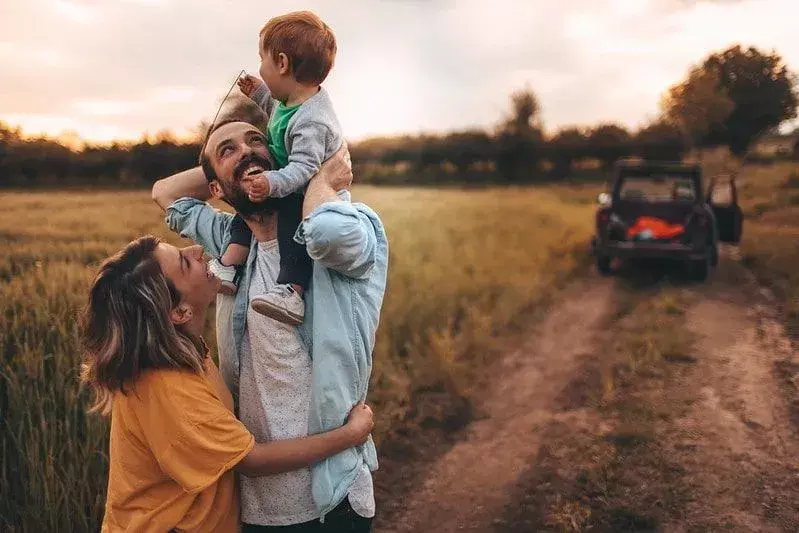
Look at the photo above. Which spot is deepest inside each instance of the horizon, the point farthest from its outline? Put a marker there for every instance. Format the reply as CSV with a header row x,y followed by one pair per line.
x,y
428,63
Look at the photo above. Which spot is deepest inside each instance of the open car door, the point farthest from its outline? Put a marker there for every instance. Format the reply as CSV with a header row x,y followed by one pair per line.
x,y
722,197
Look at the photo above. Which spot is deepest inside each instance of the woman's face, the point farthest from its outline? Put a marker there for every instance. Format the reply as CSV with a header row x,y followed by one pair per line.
x,y
188,270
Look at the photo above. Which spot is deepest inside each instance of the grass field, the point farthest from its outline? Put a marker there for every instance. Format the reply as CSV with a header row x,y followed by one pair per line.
x,y
770,200
465,267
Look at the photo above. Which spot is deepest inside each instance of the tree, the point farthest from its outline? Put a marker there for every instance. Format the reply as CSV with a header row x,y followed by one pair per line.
x,y
608,143
567,146
660,141
519,139
733,97
525,113
697,105
464,148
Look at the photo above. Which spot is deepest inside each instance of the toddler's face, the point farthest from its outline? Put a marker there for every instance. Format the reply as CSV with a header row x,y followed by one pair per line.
x,y
270,73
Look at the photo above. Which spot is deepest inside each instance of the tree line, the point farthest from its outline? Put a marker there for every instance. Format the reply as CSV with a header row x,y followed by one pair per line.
x,y
729,99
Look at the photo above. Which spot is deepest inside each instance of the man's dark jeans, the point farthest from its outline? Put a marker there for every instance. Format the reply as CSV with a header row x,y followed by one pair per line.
x,y
341,519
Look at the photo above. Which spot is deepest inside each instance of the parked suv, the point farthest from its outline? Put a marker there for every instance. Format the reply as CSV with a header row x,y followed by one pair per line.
x,y
659,210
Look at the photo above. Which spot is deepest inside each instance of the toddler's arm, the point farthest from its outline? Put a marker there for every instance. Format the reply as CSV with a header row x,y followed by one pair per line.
x,y
257,91
305,160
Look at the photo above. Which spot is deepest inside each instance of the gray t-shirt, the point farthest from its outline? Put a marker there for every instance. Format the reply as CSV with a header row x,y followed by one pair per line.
x,y
274,403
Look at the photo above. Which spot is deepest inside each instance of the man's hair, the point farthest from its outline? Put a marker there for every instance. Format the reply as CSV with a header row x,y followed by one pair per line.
x,y
126,326
205,161
236,108
307,41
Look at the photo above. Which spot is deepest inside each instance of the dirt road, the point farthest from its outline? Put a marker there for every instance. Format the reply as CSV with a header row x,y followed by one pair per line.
x,y
737,443
545,455
470,485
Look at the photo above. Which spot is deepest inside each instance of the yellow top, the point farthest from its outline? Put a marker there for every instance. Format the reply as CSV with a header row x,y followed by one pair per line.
x,y
174,442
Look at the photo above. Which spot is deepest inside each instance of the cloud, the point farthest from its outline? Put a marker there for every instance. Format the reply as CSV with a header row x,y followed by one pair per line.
x,y
75,11
146,65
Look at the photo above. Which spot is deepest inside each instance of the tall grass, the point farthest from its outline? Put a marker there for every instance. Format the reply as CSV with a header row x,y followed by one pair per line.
x,y
770,200
465,267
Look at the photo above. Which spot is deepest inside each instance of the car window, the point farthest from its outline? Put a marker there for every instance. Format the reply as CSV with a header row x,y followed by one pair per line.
x,y
658,189
721,194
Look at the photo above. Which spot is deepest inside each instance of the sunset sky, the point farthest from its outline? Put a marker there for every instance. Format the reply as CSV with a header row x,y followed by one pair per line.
x,y
118,68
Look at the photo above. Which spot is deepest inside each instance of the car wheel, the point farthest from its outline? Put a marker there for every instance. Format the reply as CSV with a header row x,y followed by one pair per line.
x,y
714,255
603,265
700,269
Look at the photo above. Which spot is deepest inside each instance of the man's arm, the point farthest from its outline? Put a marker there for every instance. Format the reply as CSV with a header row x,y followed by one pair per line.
x,y
191,183
182,196
334,175
336,234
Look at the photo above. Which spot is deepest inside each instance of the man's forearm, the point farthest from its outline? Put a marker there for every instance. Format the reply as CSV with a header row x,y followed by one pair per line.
x,y
190,183
317,193
335,174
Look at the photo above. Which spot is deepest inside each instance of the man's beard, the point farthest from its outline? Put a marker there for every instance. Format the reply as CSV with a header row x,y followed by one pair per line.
x,y
237,197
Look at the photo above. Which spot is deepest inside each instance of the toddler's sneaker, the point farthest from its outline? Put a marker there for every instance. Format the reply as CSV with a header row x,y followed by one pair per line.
x,y
281,303
226,275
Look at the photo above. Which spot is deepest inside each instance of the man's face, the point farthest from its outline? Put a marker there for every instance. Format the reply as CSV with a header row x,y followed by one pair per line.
x,y
238,151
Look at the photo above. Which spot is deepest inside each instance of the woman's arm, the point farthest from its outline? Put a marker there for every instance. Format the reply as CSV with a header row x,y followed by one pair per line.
x,y
287,455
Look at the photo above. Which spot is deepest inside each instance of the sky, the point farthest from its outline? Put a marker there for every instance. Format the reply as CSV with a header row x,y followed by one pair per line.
x,y
115,69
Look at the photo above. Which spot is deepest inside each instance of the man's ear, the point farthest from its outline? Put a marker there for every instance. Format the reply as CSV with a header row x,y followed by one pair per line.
x,y
283,64
216,190
181,314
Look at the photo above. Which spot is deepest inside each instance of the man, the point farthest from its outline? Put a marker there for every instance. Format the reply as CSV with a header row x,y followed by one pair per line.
x,y
282,392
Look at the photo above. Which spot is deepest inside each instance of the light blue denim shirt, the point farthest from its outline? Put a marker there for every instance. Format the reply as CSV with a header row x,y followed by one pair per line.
x,y
348,244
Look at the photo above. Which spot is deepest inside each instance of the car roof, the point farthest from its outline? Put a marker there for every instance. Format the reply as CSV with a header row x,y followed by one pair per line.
x,y
635,167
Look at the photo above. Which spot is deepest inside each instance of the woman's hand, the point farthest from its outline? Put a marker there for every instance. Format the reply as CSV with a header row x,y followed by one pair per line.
x,y
360,422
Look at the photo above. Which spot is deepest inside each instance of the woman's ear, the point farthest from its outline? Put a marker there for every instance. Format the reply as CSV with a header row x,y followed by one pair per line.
x,y
181,314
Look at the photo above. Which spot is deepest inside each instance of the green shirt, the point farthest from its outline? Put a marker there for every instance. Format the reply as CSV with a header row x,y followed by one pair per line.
x,y
277,132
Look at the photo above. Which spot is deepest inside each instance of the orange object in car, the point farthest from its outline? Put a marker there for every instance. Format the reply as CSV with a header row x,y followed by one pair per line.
x,y
659,229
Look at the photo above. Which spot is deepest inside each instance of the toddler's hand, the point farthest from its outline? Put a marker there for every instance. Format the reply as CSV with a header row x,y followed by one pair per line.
x,y
257,188
249,83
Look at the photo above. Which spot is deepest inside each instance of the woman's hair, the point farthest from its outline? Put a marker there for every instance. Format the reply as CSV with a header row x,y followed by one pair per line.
x,y
126,327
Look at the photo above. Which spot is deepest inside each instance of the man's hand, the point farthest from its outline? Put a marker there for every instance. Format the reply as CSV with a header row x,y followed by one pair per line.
x,y
334,175
337,171
249,83
257,188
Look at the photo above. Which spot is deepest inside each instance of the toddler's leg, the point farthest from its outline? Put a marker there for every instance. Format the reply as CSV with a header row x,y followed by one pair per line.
x,y
229,266
235,255
295,264
284,302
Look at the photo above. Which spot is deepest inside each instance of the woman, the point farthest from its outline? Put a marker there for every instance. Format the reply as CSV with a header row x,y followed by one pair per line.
x,y
175,442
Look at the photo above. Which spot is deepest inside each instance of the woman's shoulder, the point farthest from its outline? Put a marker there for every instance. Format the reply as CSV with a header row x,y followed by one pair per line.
x,y
175,394
173,383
